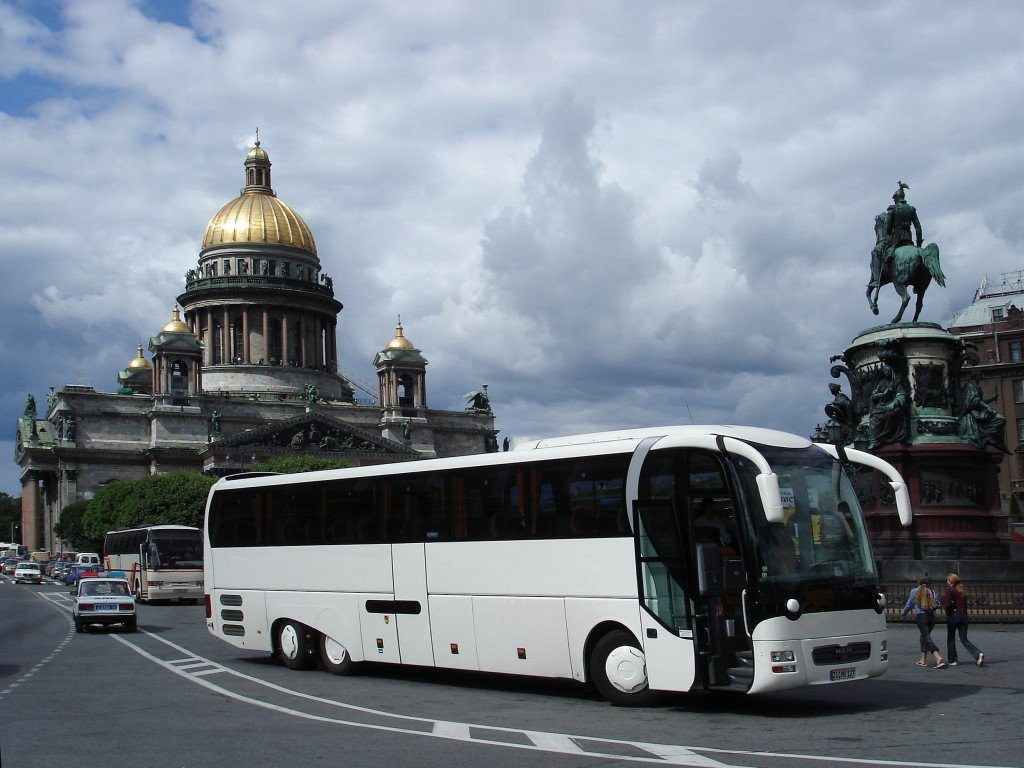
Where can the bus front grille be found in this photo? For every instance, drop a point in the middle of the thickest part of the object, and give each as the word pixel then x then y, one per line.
pixel 826 655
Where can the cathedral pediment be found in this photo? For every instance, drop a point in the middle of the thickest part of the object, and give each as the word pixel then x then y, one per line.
pixel 314 432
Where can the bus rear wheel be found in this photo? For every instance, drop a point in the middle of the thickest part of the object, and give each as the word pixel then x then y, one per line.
pixel 618 670
pixel 335 656
pixel 295 643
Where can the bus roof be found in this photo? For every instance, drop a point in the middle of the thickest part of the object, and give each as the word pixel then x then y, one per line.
pixel 155 528
pixel 593 444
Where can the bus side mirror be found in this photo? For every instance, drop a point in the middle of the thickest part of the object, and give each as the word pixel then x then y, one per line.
pixel 903 508
pixel 771 496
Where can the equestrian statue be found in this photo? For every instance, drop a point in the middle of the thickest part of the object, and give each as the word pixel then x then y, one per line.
pixel 898 257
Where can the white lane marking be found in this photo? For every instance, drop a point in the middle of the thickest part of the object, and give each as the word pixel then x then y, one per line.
pixel 555 742
pixel 671 754
pixel 457 731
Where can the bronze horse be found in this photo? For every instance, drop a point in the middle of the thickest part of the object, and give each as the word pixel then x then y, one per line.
pixel 910 267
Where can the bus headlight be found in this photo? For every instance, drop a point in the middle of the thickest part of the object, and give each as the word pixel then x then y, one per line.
pixel 783 661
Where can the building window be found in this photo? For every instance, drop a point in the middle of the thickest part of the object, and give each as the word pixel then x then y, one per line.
pixel 1018 390
pixel 1014 351
pixel 998 313
pixel 1020 430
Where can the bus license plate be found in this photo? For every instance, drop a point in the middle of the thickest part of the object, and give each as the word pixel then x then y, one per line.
pixel 846 673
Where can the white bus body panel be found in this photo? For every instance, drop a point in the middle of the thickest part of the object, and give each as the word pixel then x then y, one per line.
pixel 379 631
pixel 453 631
pixel 362 568
pixel 522 635
pixel 805 634
pixel 537 568
pixel 410 574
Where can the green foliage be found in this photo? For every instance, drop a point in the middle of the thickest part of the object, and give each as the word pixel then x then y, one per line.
pixel 10 512
pixel 299 463
pixel 70 528
pixel 177 498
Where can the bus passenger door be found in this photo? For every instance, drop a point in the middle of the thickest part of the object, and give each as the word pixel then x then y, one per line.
pixel 412 613
pixel 720 631
pixel 664 619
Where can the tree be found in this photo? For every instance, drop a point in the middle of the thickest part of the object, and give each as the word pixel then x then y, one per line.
pixel 289 464
pixel 177 498
pixel 10 512
pixel 70 529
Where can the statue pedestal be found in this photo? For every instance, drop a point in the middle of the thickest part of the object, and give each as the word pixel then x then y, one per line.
pixel 953 483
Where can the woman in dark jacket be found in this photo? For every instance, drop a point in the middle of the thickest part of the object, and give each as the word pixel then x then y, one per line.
pixel 954 600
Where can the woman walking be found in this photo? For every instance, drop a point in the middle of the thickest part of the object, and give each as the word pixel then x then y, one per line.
pixel 954 600
pixel 923 601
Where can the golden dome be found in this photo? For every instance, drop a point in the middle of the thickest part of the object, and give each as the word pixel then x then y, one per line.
pixel 140 361
pixel 256 216
pixel 399 342
pixel 175 325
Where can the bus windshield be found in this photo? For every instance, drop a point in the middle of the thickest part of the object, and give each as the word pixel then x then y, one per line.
pixel 824 535
pixel 173 550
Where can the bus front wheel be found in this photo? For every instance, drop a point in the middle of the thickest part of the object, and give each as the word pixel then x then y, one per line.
pixel 335 656
pixel 295 644
pixel 618 670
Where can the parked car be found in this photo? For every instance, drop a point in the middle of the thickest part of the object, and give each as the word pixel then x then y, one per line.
pixel 75 572
pixel 103 600
pixel 10 564
pixel 28 572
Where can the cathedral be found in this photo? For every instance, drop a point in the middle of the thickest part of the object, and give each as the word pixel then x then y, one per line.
pixel 246 370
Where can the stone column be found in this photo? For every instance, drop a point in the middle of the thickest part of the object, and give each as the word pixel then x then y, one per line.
pixel 285 351
pixel 225 337
pixel 266 335
pixel 29 510
pixel 304 328
pixel 245 334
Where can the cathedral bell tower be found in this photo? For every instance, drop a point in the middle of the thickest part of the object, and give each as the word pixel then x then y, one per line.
pixel 402 391
pixel 177 362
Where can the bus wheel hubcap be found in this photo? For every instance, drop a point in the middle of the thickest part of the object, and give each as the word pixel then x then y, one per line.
pixel 626 669
pixel 335 652
pixel 289 642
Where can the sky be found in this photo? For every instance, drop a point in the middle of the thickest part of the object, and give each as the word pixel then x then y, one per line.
pixel 614 214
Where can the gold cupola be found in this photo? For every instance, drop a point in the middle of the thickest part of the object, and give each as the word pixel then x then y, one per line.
pixel 400 342
pixel 257 216
pixel 174 326
pixel 140 361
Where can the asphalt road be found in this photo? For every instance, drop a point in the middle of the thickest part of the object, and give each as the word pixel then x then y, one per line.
pixel 172 695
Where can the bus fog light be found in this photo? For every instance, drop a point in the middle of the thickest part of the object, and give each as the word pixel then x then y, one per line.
pixel 783 656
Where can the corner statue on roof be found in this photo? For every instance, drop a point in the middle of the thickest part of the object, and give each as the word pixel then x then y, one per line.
pixel 898 257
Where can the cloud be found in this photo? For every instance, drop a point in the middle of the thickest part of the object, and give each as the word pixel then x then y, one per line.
pixel 634 215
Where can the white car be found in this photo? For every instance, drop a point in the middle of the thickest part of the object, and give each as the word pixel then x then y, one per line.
pixel 28 571
pixel 103 600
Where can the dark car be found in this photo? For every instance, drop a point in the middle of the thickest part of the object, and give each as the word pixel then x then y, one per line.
pixel 76 572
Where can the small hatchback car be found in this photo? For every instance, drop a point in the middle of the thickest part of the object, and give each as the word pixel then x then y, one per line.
pixel 29 572
pixel 102 600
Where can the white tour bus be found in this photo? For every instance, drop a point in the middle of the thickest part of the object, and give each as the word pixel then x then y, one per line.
pixel 161 562
pixel 671 559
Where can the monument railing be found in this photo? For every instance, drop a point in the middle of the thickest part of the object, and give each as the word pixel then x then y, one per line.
pixel 986 603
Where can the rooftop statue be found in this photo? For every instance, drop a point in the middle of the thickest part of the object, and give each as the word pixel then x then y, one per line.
pixel 898 257
pixel 479 402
